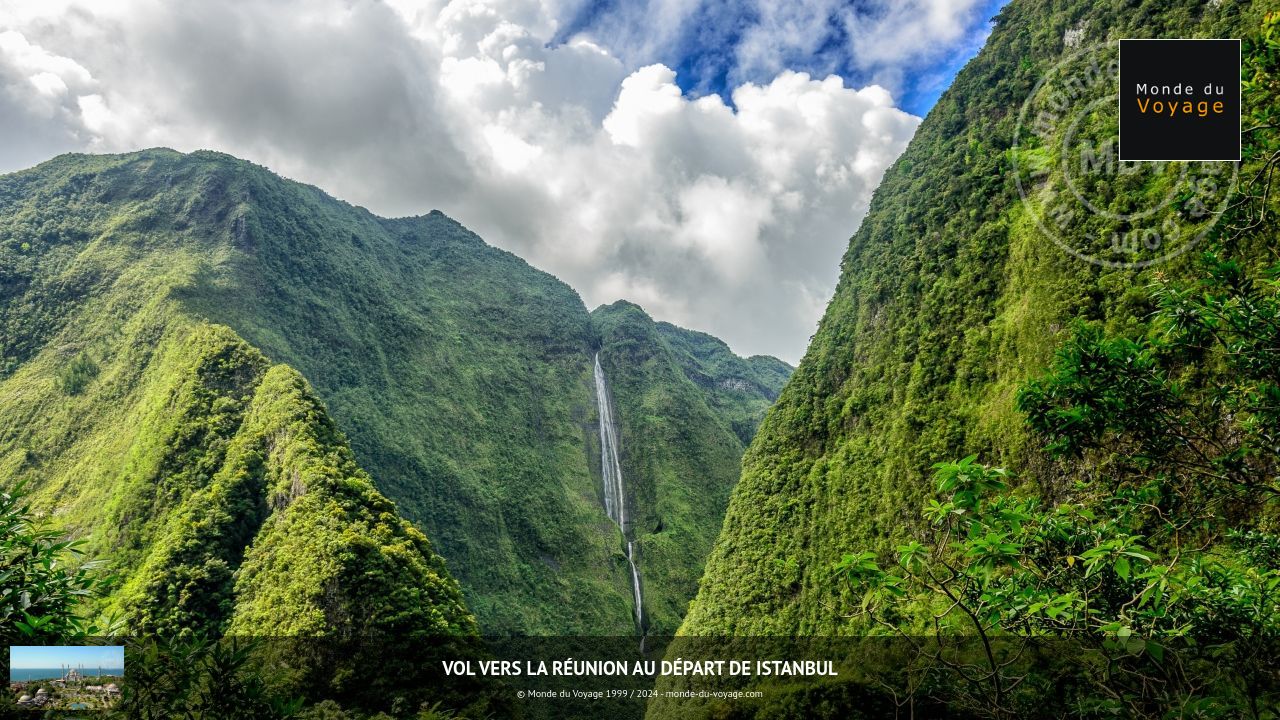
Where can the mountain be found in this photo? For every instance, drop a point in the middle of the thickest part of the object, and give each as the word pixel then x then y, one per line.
pixel 222 379
pixel 739 390
pixel 235 502
pixel 950 298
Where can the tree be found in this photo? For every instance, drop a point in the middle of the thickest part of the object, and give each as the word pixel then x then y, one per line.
pixel 1154 564
pixel 1145 620
pixel 43 579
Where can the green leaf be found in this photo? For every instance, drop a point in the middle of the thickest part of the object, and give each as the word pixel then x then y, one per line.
pixel 1155 650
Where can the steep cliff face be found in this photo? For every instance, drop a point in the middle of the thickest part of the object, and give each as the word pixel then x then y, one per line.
pixel 950 297
pixel 184 456
pixel 146 301
pixel 288 536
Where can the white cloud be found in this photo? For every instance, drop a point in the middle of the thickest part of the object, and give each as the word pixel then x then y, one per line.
pixel 904 35
pixel 884 40
pixel 40 92
pixel 726 219
pixel 899 30
pixel 879 35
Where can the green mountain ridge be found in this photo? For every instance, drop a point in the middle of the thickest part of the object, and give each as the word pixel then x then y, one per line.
pixel 140 297
pixel 949 299
pixel 226 458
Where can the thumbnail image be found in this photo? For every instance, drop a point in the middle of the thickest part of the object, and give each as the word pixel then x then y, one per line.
pixel 55 677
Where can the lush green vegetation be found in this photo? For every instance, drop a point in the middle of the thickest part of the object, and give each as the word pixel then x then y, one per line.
pixel 738 389
pixel 146 305
pixel 383 625
pixel 289 537
pixel 950 298
pixel 267 527
pixel 222 453
pixel 683 402
pixel 195 678
pixel 141 296
pixel 43 579
pixel 1129 567
pixel 1154 558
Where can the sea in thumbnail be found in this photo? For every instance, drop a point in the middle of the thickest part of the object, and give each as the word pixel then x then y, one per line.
pixel 27 674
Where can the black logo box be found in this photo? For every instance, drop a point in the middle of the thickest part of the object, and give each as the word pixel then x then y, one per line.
pixel 1188 66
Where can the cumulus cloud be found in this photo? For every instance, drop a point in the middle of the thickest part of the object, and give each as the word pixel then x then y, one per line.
pixel 723 214
pixel 41 99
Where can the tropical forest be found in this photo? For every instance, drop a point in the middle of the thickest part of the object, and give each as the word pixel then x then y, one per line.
pixel 299 458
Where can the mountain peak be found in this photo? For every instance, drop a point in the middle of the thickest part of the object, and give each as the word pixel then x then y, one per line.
pixel 450 375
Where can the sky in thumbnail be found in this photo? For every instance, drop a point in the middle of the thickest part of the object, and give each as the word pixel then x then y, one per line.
pixel 707 159
pixel 44 657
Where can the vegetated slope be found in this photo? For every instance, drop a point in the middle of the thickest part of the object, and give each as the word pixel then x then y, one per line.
pixel 197 462
pixel 738 389
pixel 461 376
pixel 949 298
pixel 681 400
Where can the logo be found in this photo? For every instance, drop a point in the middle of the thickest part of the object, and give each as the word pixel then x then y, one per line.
pixel 1079 192
pixel 1180 100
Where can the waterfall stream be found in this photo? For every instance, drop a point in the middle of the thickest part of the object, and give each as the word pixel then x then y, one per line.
pixel 615 497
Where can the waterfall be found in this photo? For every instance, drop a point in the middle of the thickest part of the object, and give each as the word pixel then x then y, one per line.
pixel 615 497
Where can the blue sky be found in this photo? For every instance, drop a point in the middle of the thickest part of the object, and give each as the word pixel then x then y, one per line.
pixel 50 656
pixel 706 47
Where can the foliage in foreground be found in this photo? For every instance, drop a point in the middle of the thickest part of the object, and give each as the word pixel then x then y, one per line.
pixel 244 678
pixel 196 678
pixel 1158 561
pixel 43 579
pixel 45 591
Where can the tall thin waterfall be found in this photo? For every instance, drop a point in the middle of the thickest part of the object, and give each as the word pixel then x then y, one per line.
pixel 615 497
